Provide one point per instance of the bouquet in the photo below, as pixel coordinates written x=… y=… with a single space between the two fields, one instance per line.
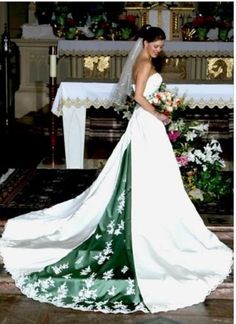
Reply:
x=167 y=102
x=164 y=101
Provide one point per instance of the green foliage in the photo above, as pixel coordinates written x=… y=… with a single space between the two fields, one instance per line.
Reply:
x=102 y=20
x=213 y=182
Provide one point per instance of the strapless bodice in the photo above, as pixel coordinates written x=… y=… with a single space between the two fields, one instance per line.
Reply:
x=153 y=84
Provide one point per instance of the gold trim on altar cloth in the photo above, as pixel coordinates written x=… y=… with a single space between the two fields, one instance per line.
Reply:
x=97 y=103
x=78 y=103
x=211 y=103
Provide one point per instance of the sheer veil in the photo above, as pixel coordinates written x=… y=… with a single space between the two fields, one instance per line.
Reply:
x=124 y=86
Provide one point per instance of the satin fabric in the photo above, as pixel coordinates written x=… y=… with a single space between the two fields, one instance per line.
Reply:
x=177 y=260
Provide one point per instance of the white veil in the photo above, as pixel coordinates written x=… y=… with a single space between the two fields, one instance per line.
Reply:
x=124 y=86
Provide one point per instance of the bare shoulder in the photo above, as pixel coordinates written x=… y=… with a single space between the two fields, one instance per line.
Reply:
x=142 y=66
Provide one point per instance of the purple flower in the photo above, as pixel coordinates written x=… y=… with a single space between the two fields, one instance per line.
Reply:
x=173 y=135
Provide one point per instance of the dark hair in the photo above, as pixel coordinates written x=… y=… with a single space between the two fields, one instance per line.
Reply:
x=151 y=34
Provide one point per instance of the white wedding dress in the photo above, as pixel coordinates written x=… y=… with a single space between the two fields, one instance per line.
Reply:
x=132 y=241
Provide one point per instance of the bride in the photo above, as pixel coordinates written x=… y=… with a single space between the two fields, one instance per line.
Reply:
x=133 y=241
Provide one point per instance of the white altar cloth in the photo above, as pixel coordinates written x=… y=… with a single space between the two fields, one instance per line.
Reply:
x=73 y=98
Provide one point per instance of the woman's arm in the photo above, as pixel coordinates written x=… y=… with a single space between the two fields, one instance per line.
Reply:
x=141 y=77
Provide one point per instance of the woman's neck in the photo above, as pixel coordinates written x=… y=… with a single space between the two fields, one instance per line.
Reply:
x=146 y=55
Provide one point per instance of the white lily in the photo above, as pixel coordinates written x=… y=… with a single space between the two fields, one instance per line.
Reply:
x=190 y=135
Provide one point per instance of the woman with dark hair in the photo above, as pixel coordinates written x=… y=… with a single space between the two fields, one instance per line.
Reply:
x=153 y=43
x=133 y=241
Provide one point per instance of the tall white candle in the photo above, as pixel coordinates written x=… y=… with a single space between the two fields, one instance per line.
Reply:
x=53 y=66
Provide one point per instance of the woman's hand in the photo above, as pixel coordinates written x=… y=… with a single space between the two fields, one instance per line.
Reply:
x=162 y=117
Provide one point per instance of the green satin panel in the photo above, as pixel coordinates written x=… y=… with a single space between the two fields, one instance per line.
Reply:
x=99 y=274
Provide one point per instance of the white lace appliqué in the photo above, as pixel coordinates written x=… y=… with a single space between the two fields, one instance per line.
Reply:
x=105 y=254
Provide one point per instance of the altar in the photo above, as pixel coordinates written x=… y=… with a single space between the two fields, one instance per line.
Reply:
x=103 y=60
x=73 y=98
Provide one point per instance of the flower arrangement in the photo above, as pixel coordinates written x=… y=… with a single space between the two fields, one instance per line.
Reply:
x=198 y=28
x=210 y=15
x=200 y=165
x=103 y=28
x=101 y=20
x=204 y=20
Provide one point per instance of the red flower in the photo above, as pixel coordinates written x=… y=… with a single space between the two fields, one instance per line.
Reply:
x=204 y=21
x=227 y=24
x=71 y=22
x=131 y=18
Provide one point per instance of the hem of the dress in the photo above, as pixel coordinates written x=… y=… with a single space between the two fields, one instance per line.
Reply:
x=154 y=309
x=144 y=309
x=139 y=308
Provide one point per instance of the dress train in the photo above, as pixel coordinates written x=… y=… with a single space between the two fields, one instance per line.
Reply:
x=132 y=241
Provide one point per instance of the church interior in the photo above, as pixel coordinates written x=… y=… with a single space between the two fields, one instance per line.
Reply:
x=58 y=64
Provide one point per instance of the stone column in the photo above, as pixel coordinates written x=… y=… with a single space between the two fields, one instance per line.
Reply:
x=34 y=66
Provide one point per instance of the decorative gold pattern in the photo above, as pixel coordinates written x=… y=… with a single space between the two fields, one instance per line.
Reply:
x=159 y=14
x=144 y=16
x=220 y=68
x=100 y=62
x=89 y=62
x=104 y=63
x=174 y=68
x=178 y=17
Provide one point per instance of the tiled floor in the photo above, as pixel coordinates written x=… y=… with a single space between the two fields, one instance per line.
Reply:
x=20 y=310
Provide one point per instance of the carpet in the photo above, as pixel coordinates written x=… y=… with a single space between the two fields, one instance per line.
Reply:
x=32 y=189
x=26 y=190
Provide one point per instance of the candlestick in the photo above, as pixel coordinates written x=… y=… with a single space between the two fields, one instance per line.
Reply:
x=53 y=159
